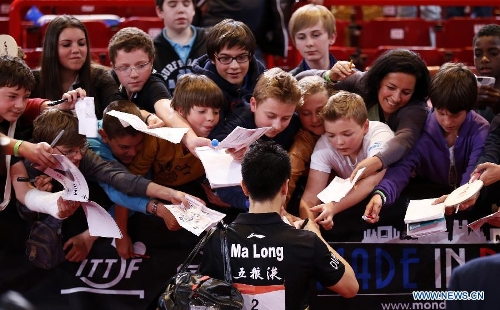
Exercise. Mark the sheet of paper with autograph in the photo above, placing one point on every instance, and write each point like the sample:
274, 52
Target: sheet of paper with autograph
195, 218
173, 135
99, 221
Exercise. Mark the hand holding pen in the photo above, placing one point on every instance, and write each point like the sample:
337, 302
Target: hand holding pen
490, 173
68, 100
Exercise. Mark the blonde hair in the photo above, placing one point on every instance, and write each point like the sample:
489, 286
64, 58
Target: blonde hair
311, 85
308, 16
278, 84
345, 105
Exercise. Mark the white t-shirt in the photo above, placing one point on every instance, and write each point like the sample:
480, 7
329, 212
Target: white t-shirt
326, 158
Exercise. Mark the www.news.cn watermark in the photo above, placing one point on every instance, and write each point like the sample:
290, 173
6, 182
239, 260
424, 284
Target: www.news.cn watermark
448, 295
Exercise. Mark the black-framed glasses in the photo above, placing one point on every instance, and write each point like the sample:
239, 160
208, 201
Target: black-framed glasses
226, 60
128, 69
452, 176
71, 154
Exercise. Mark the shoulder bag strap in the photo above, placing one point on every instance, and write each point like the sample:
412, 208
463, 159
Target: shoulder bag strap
197, 249
225, 254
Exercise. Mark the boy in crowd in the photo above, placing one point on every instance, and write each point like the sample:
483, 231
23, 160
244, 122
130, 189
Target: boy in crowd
132, 54
75, 147
486, 44
273, 104
312, 28
450, 145
179, 43
300, 253
198, 100
231, 64
348, 139
314, 95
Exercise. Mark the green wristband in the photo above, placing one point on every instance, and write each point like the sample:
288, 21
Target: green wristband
326, 76
16, 147
379, 192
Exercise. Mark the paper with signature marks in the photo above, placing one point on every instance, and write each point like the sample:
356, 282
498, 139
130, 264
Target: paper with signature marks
171, 134
197, 217
75, 185
338, 188
87, 120
100, 223
220, 168
241, 137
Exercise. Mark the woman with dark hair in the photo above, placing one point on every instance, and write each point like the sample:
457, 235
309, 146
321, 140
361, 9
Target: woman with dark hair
395, 91
66, 65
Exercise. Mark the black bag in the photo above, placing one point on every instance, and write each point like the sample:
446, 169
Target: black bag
44, 247
187, 290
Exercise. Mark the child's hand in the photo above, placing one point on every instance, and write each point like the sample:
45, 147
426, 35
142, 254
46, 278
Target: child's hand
43, 183
168, 218
40, 154
124, 247
154, 121
490, 173
325, 218
373, 208
72, 97
341, 70
237, 154
488, 96
372, 164
66, 207
80, 246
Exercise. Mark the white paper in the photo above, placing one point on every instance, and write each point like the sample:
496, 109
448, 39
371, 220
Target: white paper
173, 135
476, 225
338, 188
241, 137
87, 120
100, 223
75, 185
220, 168
197, 217
423, 210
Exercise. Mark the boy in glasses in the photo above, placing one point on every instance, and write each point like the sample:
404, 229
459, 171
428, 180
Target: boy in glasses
179, 43
231, 64
132, 54
450, 145
74, 146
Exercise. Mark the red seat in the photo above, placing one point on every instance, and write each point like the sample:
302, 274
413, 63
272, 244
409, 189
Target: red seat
150, 25
395, 32
342, 53
432, 56
33, 57
458, 32
465, 55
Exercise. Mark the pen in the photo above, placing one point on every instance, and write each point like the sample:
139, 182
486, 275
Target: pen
25, 179
304, 223
350, 64
141, 255
456, 208
476, 176
59, 135
53, 103
367, 217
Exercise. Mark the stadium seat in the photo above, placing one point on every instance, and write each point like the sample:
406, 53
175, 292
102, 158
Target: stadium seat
432, 56
395, 32
151, 25
458, 32
33, 57
465, 55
